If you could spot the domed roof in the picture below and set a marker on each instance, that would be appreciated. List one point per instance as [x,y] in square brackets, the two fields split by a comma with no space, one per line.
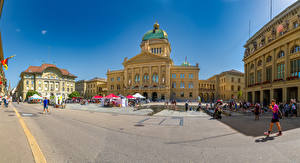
[156,33]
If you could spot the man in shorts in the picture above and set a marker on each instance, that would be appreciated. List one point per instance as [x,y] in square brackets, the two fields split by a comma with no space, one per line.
[275,119]
[46,102]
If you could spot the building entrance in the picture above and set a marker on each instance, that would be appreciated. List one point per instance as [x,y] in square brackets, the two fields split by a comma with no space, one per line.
[154,96]
[250,97]
[266,97]
[278,95]
[257,97]
[145,94]
[292,93]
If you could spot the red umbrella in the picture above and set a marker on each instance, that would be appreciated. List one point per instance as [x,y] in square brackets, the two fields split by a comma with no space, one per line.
[130,97]
[97,97]
[112,96]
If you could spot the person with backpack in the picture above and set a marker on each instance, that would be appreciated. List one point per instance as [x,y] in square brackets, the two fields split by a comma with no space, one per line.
[294,109]
[275,119]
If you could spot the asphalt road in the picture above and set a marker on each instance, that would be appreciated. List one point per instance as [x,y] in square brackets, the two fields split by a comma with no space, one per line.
[67,135]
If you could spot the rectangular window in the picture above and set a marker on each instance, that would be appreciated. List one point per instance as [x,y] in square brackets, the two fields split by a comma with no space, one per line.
[258,79]
[173,76]
[280,71]
[182,85]
[269,73]
[191,85]
[251,78]
[181,75]
[239,80]
[112,79]
[191,76]
[112,87]
[295,24]
[173,85]
[118,78]
[295,68]
[232,79]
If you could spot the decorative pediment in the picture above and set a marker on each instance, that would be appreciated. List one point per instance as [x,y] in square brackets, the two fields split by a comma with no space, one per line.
[146,57]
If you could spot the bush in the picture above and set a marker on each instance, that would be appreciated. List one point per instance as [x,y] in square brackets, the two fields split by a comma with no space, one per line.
[74,94]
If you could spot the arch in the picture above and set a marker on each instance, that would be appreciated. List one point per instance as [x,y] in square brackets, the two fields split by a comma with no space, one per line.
[145,94]
[280,54]
[259,63]
[154,96]
[269,59]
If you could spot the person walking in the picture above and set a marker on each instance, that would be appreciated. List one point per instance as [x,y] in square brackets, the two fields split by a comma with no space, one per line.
[46,103]
[286,110]
[294,109]
[275,119]
[186,105]
[257,111]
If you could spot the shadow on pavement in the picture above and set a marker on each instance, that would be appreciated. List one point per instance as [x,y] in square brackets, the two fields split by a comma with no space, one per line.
[265,139]
[249,127]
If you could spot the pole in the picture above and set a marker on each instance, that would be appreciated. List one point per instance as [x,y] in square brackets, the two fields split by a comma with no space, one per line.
[271,9]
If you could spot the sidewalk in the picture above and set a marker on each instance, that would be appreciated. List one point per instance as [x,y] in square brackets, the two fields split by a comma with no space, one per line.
[13,142]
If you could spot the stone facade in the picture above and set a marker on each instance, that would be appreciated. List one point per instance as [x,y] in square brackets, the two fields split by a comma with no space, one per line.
[272,59]
[91,88]
[153,74]
[229,85]
[47,80]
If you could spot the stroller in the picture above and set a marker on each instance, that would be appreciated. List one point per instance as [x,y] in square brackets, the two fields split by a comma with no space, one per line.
[218,111]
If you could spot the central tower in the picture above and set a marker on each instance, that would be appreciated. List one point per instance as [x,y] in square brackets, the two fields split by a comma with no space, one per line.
[156,42]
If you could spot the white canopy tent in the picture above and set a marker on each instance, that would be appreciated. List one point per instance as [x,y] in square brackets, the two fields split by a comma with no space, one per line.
[35,96]
[137,95]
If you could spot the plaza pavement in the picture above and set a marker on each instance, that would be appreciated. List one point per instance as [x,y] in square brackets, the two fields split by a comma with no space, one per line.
[73,135]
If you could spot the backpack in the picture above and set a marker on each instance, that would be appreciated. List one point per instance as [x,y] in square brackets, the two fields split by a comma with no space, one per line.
[279,114]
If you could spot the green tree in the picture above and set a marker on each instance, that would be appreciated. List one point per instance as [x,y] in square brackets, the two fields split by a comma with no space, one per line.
[240,94]
[74,94]
[31,93]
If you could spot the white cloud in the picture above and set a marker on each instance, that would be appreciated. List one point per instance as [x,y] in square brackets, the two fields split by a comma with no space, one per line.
[44,32]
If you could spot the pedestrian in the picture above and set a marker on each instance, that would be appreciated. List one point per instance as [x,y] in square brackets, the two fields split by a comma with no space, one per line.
[286,110]
[257,111]
[199,106]
[186,105]
[275,119]
[294,110]
[46,103]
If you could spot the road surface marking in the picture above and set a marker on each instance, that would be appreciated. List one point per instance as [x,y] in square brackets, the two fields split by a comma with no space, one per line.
[36,151]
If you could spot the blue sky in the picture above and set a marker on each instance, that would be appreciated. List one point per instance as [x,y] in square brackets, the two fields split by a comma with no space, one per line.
[88,37]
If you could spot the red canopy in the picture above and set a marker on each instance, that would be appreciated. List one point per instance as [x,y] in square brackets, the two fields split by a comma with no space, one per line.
[97,97]
[130,97]
[112,96]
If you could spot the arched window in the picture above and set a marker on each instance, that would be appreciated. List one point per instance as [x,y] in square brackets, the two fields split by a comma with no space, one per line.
[173,85]
[269,59]
[146,77]
[137,78]
[239,88]
[252,66]
[259,63]
[295,49]
[155,78]
[280,54]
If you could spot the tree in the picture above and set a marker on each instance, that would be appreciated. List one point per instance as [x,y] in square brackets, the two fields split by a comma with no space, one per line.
[74,94]
[31,93]
[240,94]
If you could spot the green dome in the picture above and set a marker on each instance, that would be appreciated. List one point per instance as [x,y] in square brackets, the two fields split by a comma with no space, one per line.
[156,33]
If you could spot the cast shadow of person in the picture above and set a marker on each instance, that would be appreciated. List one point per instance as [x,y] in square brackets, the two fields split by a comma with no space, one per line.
[265,139]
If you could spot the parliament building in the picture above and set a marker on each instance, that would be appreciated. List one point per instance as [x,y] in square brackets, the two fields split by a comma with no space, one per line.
[152,72]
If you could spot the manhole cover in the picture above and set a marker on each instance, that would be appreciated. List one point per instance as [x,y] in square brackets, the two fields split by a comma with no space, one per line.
[27,114]
[139,125]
